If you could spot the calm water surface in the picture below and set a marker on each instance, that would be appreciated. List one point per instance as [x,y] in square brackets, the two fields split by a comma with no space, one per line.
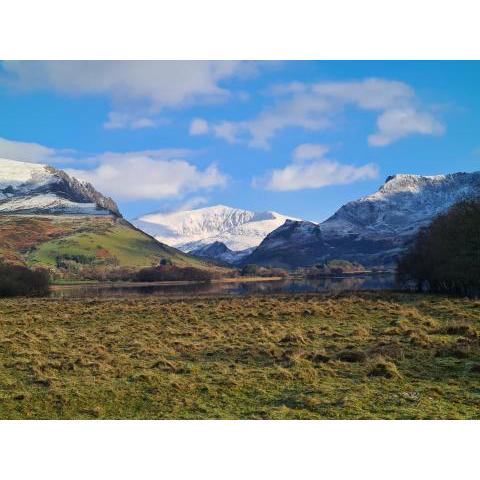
[324,285]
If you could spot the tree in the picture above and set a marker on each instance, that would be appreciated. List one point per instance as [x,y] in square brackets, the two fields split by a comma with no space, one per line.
[250,269]
[17,280]
[445,256]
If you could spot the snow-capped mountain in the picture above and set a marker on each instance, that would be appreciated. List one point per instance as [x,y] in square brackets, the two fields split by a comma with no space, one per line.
[402,205]
[39,189]
[372,230]
[189,230]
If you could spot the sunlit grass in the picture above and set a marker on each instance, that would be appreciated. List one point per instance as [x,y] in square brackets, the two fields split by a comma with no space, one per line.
[355,356]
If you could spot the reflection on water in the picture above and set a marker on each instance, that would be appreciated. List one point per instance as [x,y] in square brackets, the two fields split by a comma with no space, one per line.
[304,285]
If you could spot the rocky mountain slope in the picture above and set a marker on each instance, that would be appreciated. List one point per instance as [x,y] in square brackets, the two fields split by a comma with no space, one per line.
[372,230]
[189,230]
[219,252]
[52,220]
[40,189]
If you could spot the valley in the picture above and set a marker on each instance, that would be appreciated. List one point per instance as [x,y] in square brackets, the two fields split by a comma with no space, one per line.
[253,316]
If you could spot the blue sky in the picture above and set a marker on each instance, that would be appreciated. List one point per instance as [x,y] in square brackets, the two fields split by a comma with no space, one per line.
[301,138]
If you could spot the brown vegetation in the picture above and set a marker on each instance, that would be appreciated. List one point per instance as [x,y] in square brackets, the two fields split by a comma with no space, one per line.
[284,357]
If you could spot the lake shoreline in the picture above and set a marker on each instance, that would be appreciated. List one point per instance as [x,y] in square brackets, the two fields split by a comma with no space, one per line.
[238,286]
[59,286]
[126,284]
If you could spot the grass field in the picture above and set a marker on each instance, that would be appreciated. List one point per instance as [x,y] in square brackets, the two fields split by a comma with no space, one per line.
[288,357]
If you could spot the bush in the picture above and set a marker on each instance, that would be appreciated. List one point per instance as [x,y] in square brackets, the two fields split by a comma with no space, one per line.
[16,280]
[166,273]
[445,257]
[249,270]
[332,268]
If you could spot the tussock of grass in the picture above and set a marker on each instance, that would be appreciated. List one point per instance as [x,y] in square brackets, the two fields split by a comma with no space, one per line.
[383,368]
[353,356]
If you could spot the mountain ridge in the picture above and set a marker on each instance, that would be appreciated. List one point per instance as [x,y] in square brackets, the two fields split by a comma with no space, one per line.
[372,230]
[37,188]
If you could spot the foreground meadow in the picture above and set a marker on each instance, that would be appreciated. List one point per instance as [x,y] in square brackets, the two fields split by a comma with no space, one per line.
[287,357]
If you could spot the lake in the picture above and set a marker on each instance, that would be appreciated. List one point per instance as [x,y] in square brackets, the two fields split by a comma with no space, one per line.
[218,288]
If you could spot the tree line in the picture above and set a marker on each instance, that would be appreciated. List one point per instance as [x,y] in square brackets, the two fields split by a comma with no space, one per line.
[445,256]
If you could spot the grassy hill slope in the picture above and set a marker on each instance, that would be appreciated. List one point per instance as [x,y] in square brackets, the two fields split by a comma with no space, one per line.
[68,244]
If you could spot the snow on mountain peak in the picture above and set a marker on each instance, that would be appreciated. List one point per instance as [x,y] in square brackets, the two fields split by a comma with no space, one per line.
[35,188]
[14,173]
[404,202]
[190,229]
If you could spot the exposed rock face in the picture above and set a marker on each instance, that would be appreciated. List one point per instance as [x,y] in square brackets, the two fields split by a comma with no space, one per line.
[298,243]
[218,251]
[30,188]
[373,230]
[84,192]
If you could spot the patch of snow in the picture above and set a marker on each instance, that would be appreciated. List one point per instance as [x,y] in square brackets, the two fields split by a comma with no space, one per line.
[14,174]
[49,203]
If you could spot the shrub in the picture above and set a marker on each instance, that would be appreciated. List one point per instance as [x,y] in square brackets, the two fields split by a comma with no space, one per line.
[249,269]
[16,280]
[332,268]
[259,271]
[165,273]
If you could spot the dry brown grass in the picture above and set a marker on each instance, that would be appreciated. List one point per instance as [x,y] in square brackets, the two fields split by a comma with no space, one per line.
[357,356]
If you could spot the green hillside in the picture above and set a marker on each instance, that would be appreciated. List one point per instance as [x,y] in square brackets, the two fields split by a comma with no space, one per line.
[68,245]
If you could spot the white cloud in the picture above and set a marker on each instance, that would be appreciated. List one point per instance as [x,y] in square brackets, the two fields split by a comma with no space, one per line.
[123,120]
[398,123]
[310,170]
[149,175]
[32,152]
[369,94]
[316,107]
[135,86]
[142,123]
[199,126]
[226,130]
[191,204]
[308,151]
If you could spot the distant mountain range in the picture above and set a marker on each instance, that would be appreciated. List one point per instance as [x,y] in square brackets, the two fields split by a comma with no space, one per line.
[372,230]
[239,230]
[49,218]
